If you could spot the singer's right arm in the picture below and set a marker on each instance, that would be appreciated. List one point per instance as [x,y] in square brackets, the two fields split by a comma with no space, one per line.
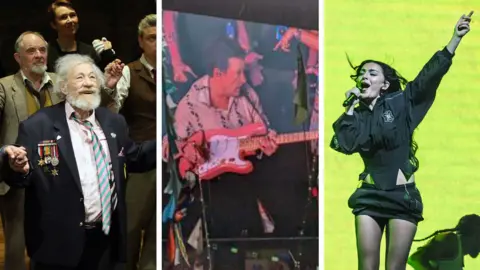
[350,133]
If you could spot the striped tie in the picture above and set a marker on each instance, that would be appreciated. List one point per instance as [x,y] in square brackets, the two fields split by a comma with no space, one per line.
[105,179]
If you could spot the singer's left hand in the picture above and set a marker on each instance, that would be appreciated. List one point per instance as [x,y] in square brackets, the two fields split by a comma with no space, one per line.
[463,25]
[113,73]
[269,144]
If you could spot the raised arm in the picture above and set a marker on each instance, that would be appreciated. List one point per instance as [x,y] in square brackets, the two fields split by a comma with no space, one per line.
[122,88]
[117,85]
[169,18]
[420,93]
[309,38]
[180,69]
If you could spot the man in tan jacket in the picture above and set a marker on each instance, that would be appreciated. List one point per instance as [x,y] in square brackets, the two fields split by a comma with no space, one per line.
[21,95]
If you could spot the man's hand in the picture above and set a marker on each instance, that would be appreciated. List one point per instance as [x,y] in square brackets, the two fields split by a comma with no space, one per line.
[357,92]
[113,73]
[284,43]
[268,144]
[194,150]
[17,159]
[180,71]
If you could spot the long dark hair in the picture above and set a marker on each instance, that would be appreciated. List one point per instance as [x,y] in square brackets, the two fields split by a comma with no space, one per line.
[468,226]
[397,83]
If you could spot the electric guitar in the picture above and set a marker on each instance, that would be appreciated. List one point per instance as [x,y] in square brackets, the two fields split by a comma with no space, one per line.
[227,148]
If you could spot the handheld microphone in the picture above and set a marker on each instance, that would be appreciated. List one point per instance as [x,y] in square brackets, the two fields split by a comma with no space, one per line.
[352,97]
[99,47]
[349,101]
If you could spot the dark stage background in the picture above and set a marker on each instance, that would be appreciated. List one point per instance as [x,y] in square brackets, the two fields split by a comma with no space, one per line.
[298,13]
[117,20]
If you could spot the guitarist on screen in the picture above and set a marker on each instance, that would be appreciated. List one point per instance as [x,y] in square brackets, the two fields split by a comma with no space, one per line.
[220,100]
[217,101]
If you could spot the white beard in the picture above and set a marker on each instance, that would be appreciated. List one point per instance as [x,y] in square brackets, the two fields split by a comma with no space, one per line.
[85,104]
[39,69]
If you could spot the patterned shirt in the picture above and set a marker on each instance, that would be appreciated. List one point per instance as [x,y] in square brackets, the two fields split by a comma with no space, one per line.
[195,112]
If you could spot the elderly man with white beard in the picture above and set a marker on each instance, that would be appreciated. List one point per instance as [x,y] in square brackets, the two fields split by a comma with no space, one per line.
[21,95]
[74,180]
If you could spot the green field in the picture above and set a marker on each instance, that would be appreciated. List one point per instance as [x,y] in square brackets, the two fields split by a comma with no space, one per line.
[405,34]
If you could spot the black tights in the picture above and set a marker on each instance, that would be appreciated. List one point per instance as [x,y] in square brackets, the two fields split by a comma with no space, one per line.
[369,230]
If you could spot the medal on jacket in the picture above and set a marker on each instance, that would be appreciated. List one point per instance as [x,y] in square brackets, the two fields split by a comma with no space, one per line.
[48,155]
[41,161]
[47,152]
[55,161]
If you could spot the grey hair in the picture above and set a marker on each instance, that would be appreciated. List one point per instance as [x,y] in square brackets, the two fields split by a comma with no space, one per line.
[19,40]
[66,63]
[147,21]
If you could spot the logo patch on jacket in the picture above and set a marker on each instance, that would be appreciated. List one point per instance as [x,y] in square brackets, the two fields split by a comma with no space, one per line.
[388,116]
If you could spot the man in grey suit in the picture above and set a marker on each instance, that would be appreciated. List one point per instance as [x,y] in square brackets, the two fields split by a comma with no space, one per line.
[21,95]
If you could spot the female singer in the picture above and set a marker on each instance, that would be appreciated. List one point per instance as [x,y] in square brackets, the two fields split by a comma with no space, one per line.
[381,129]
[448,247]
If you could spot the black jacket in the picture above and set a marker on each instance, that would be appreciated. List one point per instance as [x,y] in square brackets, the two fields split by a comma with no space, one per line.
[54,208]
[382,136]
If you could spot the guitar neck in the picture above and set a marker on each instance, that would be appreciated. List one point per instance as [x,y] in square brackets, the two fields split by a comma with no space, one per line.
[254,143]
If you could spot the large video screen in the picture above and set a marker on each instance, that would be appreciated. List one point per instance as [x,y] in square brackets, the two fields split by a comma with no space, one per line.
[250,91]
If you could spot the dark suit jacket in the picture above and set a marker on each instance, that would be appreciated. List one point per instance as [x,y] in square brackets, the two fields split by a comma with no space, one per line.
[54,209]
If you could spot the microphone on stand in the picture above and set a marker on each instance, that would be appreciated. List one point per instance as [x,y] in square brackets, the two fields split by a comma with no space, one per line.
[352,97]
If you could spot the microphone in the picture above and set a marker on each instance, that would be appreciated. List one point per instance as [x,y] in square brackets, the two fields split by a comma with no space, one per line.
[352,97]
[349,101]
[99,47]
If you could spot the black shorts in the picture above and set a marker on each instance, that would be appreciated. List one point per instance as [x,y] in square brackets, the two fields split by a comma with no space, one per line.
[403,202]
